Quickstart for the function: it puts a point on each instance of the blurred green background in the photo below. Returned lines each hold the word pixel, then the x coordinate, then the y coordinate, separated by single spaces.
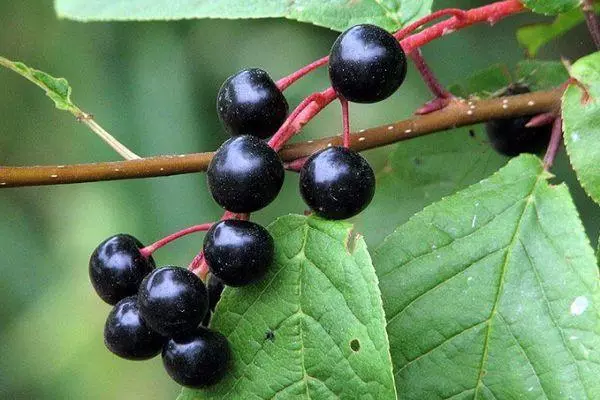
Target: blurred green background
pixel 153 85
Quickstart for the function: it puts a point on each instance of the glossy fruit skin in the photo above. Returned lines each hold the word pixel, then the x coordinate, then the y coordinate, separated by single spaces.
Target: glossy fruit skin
pixel 172 301
pixel 198 359
pixel 250 103
pixel 117 268
pixel 215 287
pixel 511 137
pixel 127 335
pixel 366 64
pixel 245 174
pixel 238 252
pixel 337 183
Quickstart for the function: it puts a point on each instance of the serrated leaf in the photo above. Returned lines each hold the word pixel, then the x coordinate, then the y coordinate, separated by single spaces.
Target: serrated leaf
pixel 57 89
pixel 322 305
pixel 418 173
pixel 581 124
pixel 336 14
pixel 493 293
pixel 551 7
pixel 535 36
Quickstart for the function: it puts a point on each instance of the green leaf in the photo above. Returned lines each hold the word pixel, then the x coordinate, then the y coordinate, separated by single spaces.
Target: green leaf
pixel 493 294
pixel 542 75
pixel 423 170
pixel 335 14
pixel 491 81
pixel 535 36
pixel 581 124
pixel 57 89
pixel 551 7
pixel 322 304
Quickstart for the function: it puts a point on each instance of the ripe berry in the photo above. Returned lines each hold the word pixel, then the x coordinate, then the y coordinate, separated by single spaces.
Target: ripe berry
pixel 198 359
pixel 238 252
pixel 215 287
pixel 172 300
pixel 249 103
pixel 337 183
pixel 245 174
pixel 511 137
pixel 117 267
pixel 366 64
pixel 127 335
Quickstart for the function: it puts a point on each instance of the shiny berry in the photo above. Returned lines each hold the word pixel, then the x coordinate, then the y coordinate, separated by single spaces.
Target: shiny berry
pixel 337 183
pixel 198 359
pixel 215 287
pixel 172 300
pixel 127 335
pixel 250 103
pixel 238 252
pixel 116 267
pixel 510 136
pixel 366 64
pixel 245 174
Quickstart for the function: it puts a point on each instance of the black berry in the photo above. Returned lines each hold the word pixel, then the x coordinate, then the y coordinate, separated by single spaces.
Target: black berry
pixel 337 183
pixel 127 335
pixel 198 359
pixel 215 287
pixel 238 252
pixel 366 64
pixel 245 174
pixel 172 300
pixel 511 137
pixel 117 267
pixel 249 103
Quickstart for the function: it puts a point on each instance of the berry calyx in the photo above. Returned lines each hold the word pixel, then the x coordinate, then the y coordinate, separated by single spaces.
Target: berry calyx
pixel 197 359
pixel 127 335
pixel 250 103
pixel 117 267
pixel 245 174
pixel 366 64
pixel 238 252
pixel 511 137
pixel 172 300
pixel 337 183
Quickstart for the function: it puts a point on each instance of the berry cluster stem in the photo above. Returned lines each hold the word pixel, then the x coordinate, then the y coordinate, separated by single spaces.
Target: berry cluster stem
pixel 554 145
pixel 592 21
pixel 148 250
pixel 345 122
pixel 287 81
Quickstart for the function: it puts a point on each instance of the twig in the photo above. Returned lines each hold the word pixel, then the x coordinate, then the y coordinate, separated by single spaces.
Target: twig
pixel 592 21
pixel 554 145
pixel 455 115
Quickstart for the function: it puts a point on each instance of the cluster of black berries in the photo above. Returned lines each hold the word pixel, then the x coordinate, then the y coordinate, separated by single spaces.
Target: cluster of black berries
pixel 366 65
pixel 157 310
pixel 167 309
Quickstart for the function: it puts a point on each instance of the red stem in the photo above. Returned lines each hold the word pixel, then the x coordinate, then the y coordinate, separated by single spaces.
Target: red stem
pixel 448 12
pixel 438 90
pixel 287 81
pixel 592 21
pixel 554 145
pixel 148 250
pixel 345 123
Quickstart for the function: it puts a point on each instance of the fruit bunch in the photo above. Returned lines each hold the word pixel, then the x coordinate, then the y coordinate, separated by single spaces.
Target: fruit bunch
pixel 166 310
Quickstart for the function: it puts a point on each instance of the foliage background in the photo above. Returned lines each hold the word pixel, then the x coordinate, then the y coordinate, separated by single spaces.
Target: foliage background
pixel 153 85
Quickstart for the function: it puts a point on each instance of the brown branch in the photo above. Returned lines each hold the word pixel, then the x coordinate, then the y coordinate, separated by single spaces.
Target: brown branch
pixel 458 113
pixel 591 21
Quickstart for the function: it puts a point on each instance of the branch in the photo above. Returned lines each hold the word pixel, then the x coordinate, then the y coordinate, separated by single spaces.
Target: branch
pixel 456 114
